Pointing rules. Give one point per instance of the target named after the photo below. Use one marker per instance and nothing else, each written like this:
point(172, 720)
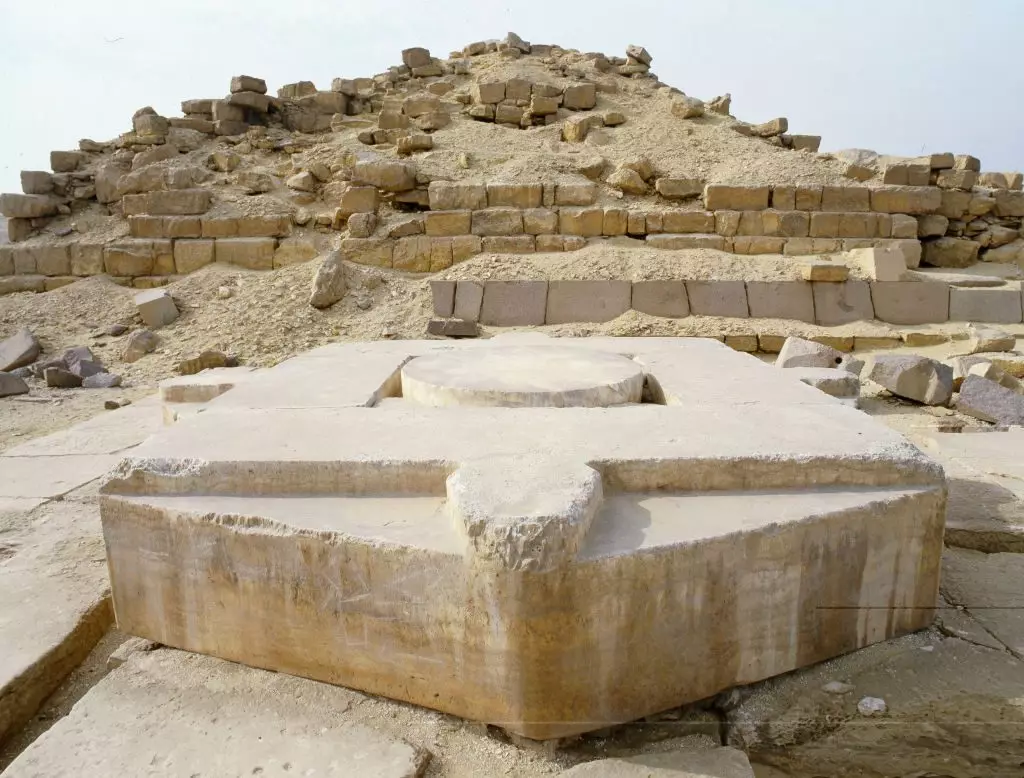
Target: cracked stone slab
point(107, 433)
point(46, 477)
point(991, 588)
point(167, 712)
point(536, 568)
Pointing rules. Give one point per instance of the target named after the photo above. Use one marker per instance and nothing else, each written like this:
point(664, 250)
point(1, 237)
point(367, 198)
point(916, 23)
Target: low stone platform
point(551, 570)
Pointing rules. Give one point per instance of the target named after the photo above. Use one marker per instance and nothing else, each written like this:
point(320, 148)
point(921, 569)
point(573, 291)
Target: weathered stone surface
point(832, 381)
point(177, 202)
point(797, 352)
point(736, 198)
point(590, 301)
point(248, 84)
point(368, 251)
point(329, 284)
point(781, 300)
point(679, 188)
point(156, 308)
point(61, 378)
point(688, 757)
point(987, 400)
point(511, 303)
point(208, 715)
point(661, 298)
point(989, 339)
point(845, 199)
point(386, 176)
point(950, 252)
point(453, 328)
point(498, 221)
point(251, 253)
point(11, 385)
point(457, 196)
point(841, 303)
point(718, 298)
point(910, 302)
point(579, 97)
point(27, 206)
point(139, 343)
point(915, 378)
point(996, 306)
point(18, 350)
point(685, 107)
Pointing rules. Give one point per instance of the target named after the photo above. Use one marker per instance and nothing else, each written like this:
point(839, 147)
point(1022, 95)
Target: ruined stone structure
point(548, 537)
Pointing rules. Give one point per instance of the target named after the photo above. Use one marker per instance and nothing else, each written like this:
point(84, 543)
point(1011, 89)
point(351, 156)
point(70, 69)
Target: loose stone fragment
point(913, 377)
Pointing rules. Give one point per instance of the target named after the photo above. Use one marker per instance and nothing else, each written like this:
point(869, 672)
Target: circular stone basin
point(523, 377)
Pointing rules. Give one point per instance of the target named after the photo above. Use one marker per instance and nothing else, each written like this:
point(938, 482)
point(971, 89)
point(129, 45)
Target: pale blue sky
point(901, 77)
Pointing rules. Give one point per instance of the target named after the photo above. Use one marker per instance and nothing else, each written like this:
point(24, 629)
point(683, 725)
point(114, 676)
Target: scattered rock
point(140, 343)
point(329, 283)
point(224, 292)
point(18, 350)
point(129, 647)
point(832, 381)
point(102, 381)
point(913, 377)
point(988, 401)
point(696, 756)
point(837, 687)
point(111, 405)
point(991, 372)
point(11, 385)
point(872, 706)
point(687, 107)
point(797, 352)
point(721, 104)
point(639, 53)
point(626, 180)
point(302, 182)
point(206, 360)
point(115, 330)
point(156, 307)
point(989, 339)
point(453, 328)
point(60, 378)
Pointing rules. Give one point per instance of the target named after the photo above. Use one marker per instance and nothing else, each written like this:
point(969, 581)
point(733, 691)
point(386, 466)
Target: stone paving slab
point(50, 476)
point(689, 757)
point(107, 433)
point(169, 713)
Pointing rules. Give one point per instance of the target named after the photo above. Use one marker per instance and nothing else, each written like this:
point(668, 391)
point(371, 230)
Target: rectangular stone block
point(688, 221)
point(456, 196)
point(616, 221)
point(441, 223)
point(783, 198)
point(906, 302)
point(510, 244)
point(6, 261)
point(26, 206)
point(727, 223)
point(841, 303)
point(412, 254)
point(808, 197)
point(756, 244)
point(996, 306)
point(25, 283)
point(586, 222)
point(465, 246)
point(661, 298)
point(587, 301)
point(636, 224)
point(443, 295)
point(575, 193)
point(677, 242)
point(906, 199)
point(781, 300)
point(824, 225)
point(736, 198)
point(540, 221)
point(845, 198)
point(857, 225)
point(219, 227)
point(1009, 204)
point(440, 254)
point(550, 243)
point(498, 221)
point(514, 303)
point(178, 202)
point(264, 226)
point(514, 195)
point(785, 224)
point(469, 296)
point(750, 223)
point(146, 226)
point(190, 255)
point(251, 253)
point(717, 298)
point(52, 260)
point(86, 259)
point(797, 247)
point(129, 258)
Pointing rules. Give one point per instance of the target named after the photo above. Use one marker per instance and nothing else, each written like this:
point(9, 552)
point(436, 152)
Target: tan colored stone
point(688, 221)
point(509, 244)
point(740, 198)
point(579, 97)
point(457, 195)
point(465, 246)
point(845, 198)
point(447, 223)
point(412, 254)
point(251, 253)
point(497, 221)
point(585, 222)
point(540, 221)
point(293, 251)
point(906, 199)
point(86, 259)
point(190, 255)
point(616, 220)
point(575, 193)
point(514, 195)
point(788, 224)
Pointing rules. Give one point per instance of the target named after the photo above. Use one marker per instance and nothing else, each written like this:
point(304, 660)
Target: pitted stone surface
point(537, 568)
point(521, 376)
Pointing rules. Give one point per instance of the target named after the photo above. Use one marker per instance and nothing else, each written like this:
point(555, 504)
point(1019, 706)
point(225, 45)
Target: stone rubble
point(913, 377)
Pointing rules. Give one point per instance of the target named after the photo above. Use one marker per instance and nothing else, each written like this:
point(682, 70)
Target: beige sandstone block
point(636, 224)
point(190, 255)
point(441, 255)
point(842, 303)
point(857, 225)
point(129, 258)
point(293, 251)
point(653, 221)
point(447, 223)
point(694, 241)
point(514, 195)
point(824, 225)
point(906, 199)
point(86, 259)
point(757, 244)
point(808, 197)
point(688, 221)
point(264, 226)
point(584, 193)
point(251, 253)
point(717, 298)
point(783, 198)
point(845, 198)
point(549, 243)
point(540, 221)
point(174, 202)
point(219, 227)
point(781, 300)
point(510, 244)
point(585, 222)
point(739, 198)
point(457, 196)
point(750, 223)
point(727, 223)
point(787, 224)
point(497, 221)
point(465, 246)
point(412, 254)
point(615, 221)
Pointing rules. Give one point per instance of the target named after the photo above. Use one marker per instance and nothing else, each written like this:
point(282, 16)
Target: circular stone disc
point(523, 376)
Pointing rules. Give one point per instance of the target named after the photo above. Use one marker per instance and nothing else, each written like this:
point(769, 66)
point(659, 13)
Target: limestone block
point(833, 382)
point(66, 161)
point(180, 202)
point(781, 300)
point(514, 303)
point(910, 302)
point(22, 283)
point(987, 400)
point(587, 301)
point(357, 199)
point(679, 188)
point(686, 107)
point(736, 198)
point(1009, 204)
point(950, 252)
point(881, 263)
point(156, 308)
point(783, 198)
point(293, 251)
point(993, 305)
point(86, 259)
point(913, 377)
point(787, 224)
point(580, 97)
point(543, 106)
point(801, 353)
point(248, 84)
point(841, 303)
point(498, 221)
point(757, 244)
point(251, 253)
point(492, 92)
point(857, 225)
point(510, 244)
point(441, 254)
point(987, 339)
point(443, 295)
point(412, 254)
point(808, 197)
point(51, 260)
point(575, 129)
point(688, 221)
point(465, 246)
point(615, 221)
point(19, 350)
point(514, 195)
point(727, 223)
point(906, 199)
point(804, 246)
point(129, 258)
point(456, 196)
point(932, 225)
point(264, 226)
point(904, 226)
point(469, 296)
point(678, 242)
point(846, 199)
point(993, 373)
point(385, 175)
point(956, 179)
point(584, 193)
point(25, 206)
point(717, 298)
point(540, 221)
point(628, 181)
point(586, 222)
point(447, 223)
point(821, 269)
point(190, 255)
point(824, 225)
point(550, 243)
point(219, 227)
point(661, 298)
point(36, 182)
